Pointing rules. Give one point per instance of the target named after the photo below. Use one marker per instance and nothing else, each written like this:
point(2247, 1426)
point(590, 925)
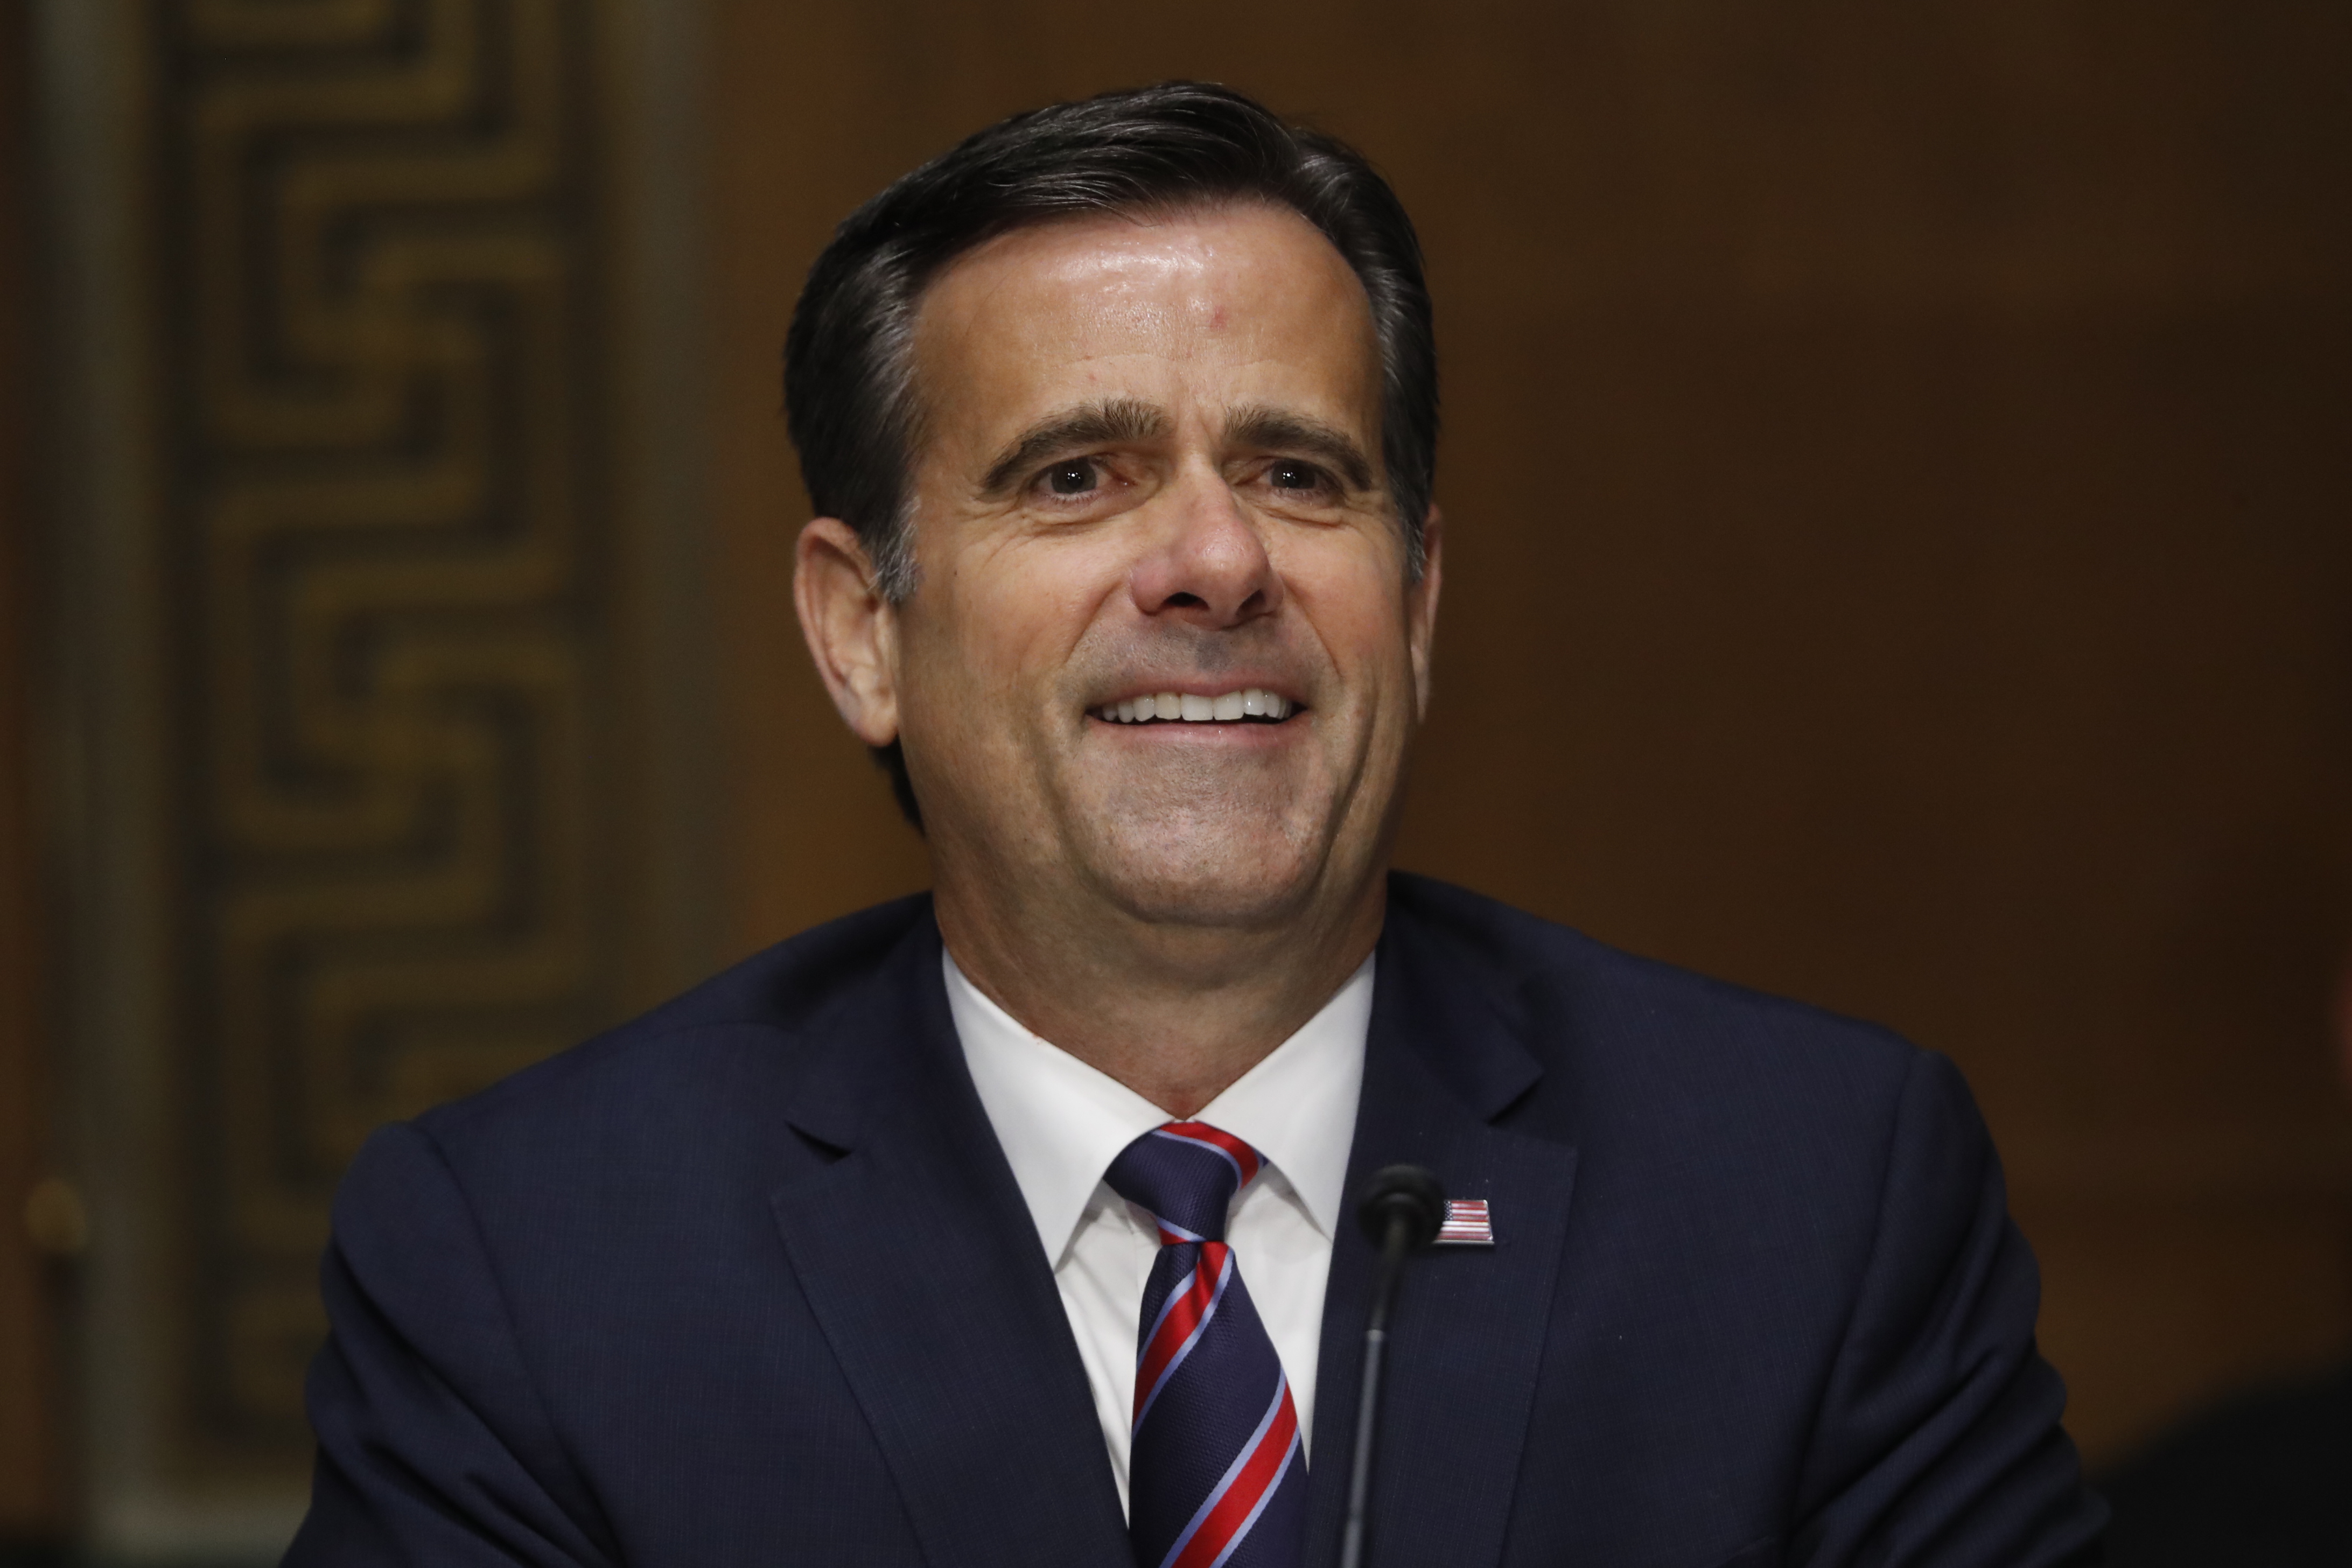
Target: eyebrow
point(1281, 430)
point(1118, 421)
point(1115, 422)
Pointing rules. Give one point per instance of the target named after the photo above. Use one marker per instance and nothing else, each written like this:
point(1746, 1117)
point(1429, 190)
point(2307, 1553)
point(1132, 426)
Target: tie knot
point(1186, 1175)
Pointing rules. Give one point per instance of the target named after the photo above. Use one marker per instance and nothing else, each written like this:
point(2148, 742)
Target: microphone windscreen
point(1406, 1191)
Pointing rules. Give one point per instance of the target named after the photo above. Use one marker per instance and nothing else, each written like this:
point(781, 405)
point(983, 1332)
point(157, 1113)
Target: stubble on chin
point(1188, 844)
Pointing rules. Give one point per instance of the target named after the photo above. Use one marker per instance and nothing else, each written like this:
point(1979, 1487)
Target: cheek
point(1014, 615)
point(1356, 605)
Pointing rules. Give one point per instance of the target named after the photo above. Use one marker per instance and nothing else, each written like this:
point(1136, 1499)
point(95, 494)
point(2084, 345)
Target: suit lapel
point(1444, 1057)
point(923, 1266)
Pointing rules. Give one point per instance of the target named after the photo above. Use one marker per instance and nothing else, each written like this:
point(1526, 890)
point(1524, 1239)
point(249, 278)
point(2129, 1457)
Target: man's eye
point(1296, 477)
point(1072, 478)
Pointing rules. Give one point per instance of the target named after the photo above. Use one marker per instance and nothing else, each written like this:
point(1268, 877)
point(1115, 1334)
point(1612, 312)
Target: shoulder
point(1579, 1001)
point(1670, 1077)
point(724, 1056)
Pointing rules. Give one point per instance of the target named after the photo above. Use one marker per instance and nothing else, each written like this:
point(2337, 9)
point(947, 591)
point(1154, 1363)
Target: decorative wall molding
point(403, 537)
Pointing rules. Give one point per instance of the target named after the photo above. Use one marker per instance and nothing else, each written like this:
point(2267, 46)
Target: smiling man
point(1165, 639)
point(1011, 1225)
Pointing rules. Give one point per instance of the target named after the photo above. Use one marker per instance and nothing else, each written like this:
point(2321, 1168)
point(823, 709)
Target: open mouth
point(1251, 705)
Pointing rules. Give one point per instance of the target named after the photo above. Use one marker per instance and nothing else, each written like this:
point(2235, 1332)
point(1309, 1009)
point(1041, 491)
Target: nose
point(1211, 566)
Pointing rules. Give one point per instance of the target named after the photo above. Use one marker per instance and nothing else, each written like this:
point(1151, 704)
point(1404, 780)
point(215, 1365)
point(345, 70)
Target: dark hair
point(848, 395)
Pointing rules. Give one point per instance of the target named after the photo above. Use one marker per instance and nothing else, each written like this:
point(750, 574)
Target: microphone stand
point(1402, 1212)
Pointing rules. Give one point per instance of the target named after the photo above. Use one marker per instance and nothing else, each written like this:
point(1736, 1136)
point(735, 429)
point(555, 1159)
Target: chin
point(1220, 879)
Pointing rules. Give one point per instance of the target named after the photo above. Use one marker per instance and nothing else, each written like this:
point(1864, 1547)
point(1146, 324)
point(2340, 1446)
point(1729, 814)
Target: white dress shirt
point(1062, 1122)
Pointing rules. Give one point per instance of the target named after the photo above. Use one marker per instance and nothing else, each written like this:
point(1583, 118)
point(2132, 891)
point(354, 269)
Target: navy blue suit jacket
point(749, 1281)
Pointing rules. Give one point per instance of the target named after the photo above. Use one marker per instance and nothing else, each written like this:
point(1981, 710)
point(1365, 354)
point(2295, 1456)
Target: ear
point(1421, 606)
point(852, 630)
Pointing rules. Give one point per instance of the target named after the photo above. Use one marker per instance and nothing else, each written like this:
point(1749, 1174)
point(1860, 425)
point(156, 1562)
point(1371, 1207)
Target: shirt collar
point(1062, 1121)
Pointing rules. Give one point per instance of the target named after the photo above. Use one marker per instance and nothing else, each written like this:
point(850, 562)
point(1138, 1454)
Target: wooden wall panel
point(1897, 547)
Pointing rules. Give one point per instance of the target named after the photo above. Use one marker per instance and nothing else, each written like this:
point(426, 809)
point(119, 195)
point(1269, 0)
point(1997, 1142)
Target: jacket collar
point(921, 1266)
point(1445, 1057)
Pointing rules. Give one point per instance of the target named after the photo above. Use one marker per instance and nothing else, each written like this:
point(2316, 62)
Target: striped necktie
point(1217, 1473)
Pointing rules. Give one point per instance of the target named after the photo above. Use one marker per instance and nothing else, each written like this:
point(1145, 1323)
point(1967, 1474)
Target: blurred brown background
point(1900, 556)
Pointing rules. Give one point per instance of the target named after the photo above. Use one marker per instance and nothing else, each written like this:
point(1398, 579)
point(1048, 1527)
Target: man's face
point(1149, 467)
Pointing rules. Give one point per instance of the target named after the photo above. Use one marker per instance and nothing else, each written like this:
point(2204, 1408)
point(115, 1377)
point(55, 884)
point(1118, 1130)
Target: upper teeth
point(1250, 702)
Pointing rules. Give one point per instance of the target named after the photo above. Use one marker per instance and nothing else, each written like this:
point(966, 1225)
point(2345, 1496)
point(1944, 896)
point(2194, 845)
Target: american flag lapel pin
point(1467, 1224)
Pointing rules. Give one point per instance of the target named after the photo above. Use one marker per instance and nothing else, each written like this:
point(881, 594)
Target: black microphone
point(1400, 1212)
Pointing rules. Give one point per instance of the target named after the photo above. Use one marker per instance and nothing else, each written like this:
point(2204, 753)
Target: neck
point(1175, 1012)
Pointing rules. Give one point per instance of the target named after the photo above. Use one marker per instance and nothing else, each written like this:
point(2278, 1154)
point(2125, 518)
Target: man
point(1012, 1225)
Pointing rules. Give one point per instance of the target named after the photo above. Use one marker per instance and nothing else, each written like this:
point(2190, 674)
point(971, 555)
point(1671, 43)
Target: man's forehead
point(1239, 304)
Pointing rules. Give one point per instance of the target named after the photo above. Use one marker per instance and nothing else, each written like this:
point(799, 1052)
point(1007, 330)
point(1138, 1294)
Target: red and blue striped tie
point(1217, 1473)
